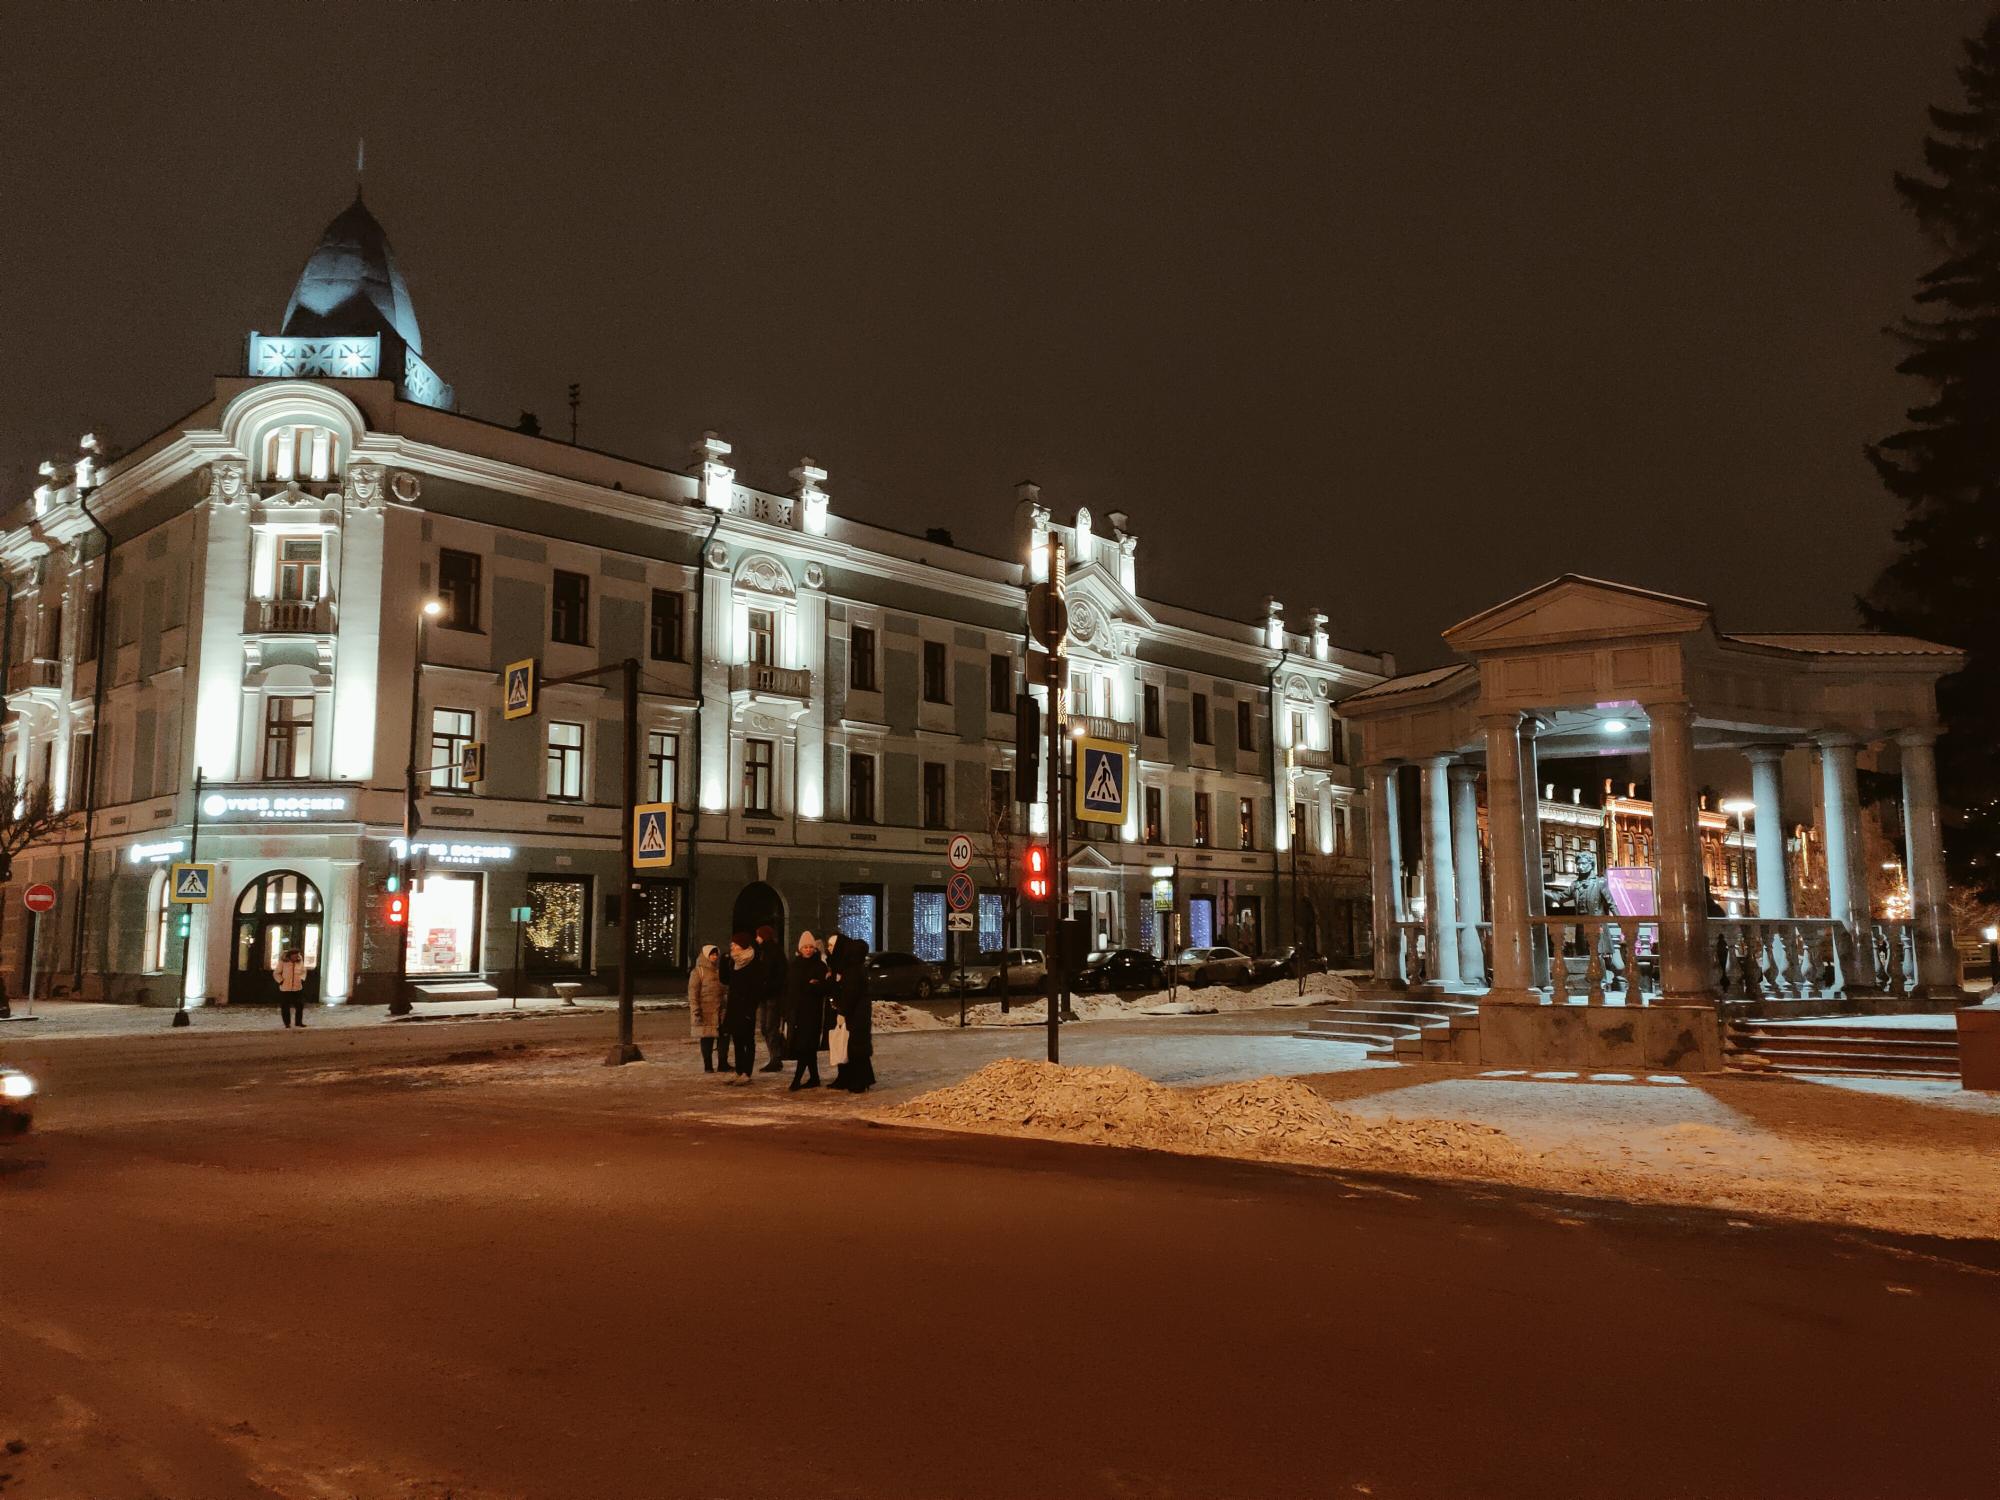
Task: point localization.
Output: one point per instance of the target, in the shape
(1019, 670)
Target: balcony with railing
(1103, 727)
(1305, 758)
(771, 682)
(34, 672)
(288, 617)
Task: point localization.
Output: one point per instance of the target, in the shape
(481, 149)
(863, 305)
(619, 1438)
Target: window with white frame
(565, 762)
(451, 732)
(759, 760)
(288, 738)
(763, 625)
(160, 915)
(663, 760)
(299, 560)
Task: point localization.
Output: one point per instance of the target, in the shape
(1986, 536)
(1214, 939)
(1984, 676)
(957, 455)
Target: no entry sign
(39, 897)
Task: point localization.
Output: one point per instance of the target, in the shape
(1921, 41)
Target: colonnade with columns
(1507, 750)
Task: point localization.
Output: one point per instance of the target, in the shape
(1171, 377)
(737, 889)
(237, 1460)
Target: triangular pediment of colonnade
(1574, 608)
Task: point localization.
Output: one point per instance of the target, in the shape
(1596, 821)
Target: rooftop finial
(360, 162)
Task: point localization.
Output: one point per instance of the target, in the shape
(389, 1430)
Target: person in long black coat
(852, 1005)
(805, 1011)
(743, 983)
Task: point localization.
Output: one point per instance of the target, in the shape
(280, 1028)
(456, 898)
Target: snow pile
(890, 1016)
(1265, 1118)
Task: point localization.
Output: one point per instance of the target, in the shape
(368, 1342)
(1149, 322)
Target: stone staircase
(1857, 1047)
(1389, 1024)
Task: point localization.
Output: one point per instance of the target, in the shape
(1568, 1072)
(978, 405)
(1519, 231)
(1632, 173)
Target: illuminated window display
(444, 924)
(555, 931)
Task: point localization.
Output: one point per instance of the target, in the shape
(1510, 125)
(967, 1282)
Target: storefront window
(656, 935)
(928, 935)
(860, 913)
(992, 922)
(444, 924)
(1201, 922)
(556, 933)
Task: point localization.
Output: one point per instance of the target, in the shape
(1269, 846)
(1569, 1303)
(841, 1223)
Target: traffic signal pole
(1058, 976)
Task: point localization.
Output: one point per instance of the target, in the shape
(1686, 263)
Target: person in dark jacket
(771, 1009)
(852, 1005)
(805, 1012)
(743, 983)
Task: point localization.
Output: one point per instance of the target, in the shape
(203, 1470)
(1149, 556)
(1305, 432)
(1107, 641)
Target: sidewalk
(81, 1018)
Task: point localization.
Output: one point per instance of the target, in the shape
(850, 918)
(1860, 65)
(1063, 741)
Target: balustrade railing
(1409, 952)
(1591, 958)
(36, 671)
(1895, 944)
(288, 617)
(783, 682)
(1100, 727)
(1790, 958)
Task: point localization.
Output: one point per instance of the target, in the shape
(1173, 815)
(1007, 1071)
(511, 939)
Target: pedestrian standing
(771, 1009)
(705, 998)
(805, 1012)
(851, 1004)
(291, 976)
(744, 982)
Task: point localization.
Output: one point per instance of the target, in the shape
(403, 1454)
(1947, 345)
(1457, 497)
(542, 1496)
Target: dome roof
(351, 284)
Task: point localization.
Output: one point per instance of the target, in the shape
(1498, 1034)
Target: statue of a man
(1591, 897)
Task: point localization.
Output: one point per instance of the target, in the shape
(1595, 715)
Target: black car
(1289, 963)
(902, 976)
(1121, 969)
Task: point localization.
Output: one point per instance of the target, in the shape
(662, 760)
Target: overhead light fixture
(1615, 726)
(1736, 806)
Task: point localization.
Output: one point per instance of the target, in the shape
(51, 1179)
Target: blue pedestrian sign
(1103, 774)
(652, 835)
(190, 884)
(517, 697)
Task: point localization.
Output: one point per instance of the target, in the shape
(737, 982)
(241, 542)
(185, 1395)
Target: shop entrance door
(276, 912)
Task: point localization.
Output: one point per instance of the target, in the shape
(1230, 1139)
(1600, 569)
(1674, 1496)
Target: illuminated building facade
(313, 581)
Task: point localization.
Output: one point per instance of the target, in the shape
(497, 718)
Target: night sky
(1392, 309)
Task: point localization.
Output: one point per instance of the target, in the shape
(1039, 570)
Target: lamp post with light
(399, 1004)
(1739, 808)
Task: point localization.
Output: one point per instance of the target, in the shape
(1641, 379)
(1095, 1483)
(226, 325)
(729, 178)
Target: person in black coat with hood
(771, 1008)
(852, 1005)
(743, 986)
(805, 1011)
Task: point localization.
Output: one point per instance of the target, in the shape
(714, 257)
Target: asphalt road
(429, 1262)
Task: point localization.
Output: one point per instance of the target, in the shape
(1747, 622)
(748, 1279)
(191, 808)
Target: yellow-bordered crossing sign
(1103, 774)
(652, 835)
(191, 884)
(517, 699)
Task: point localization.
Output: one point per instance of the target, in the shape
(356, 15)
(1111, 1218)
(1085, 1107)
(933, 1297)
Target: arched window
(301, 451)
(160, 915)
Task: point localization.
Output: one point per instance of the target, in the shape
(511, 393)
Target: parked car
(1288, 963)
(1199, 966)
(1025, 970)
(1121, 969)
(902, 976)
(17, 1102)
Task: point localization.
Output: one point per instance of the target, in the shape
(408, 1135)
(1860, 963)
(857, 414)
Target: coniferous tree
(1944, 465)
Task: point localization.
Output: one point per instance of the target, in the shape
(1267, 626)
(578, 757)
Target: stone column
(1440, 885)
(1685, 961)
(1846, 864)
(1513, 972)
(1386, 866)
(1930, 899)
(1531, 842)
(1465, 863)
(1774, 898)
(340, 938)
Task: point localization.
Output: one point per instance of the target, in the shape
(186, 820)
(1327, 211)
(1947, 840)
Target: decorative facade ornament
(225, 481)
(405, 486)
(765, 575)
(718, 555)
(815, 576)
(361, 485)
(812, 499)
(1087, 622)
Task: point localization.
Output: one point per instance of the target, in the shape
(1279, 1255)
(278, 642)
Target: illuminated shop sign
(290, 807)
(454, 854)
(155, 854)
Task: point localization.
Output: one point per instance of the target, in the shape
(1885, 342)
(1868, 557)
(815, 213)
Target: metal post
(399, 1003)
(520, 929)
(627, 1050)
(1057, 980)
(194, 854)
(34, 950)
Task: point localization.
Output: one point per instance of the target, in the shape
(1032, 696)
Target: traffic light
(1035, 873)
(1027, 744)
(396, 909)
(184, 924)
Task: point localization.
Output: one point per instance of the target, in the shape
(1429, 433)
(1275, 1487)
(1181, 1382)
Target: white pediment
(1573, 608)
(1097, 604)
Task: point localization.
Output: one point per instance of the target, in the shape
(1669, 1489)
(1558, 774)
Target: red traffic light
(396, 909)
(1035, 873)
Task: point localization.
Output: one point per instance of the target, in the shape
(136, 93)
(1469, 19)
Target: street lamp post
(399, 1004)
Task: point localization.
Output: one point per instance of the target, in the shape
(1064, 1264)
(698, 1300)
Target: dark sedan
(1121, 969)
(902, 976)
(1289, 963)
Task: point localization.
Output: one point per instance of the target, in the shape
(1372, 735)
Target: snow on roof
(1847, 643)
(1408, 684)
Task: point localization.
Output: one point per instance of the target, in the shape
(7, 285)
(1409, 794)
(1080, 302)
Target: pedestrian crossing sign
(1103, 776)
(652, 835)
(191, 885)
(518, 698)
(472, 762)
